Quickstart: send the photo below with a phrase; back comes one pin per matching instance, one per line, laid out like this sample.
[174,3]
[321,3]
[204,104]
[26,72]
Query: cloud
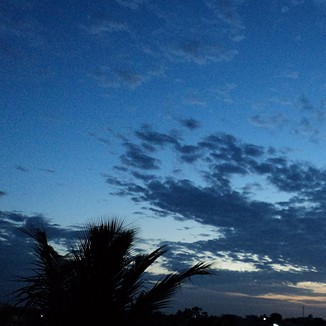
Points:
[320,3]
[164,41]
[306,104]
[216,191]
[107,27]
[227,11]
[269,122]
[155,138]
[314,287]
[297,2]
[131,78]
[291,74]
[196,39]
[316,111]
[310,123]
[115,78]
[103,23]
[104,79]
[189,153]
[22,168]
[24,28]
[136,157]
[225,92]
[190,123]
[306,123]
[143,176]
[201,53]
[193,99]
[47,170]
[305,128]
[131,4]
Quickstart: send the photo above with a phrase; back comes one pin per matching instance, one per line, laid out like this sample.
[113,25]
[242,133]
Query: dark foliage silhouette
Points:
[100,282]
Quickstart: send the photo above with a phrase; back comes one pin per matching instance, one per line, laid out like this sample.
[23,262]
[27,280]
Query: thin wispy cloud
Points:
[269,122]
[194,99]
[131,4]
[107,27]
[200,53]
[126,78]
[225,92]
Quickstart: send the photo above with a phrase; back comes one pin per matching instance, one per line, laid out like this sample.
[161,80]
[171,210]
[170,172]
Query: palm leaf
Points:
[159,296]
[44,287]
[132,280]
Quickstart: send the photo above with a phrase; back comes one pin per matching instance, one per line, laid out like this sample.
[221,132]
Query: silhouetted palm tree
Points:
[47,288]
[100,282]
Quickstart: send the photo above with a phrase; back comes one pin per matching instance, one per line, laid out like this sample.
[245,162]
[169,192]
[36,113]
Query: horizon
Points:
[201,123]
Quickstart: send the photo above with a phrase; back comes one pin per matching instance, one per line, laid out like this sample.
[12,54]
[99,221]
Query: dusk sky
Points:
[200,122]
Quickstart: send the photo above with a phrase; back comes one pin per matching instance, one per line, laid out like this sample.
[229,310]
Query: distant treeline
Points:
[11,315]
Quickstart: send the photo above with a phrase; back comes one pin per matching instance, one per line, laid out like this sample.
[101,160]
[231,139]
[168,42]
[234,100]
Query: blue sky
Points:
[201,122]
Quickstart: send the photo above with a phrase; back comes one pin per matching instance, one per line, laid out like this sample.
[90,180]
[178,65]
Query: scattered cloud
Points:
[213,194]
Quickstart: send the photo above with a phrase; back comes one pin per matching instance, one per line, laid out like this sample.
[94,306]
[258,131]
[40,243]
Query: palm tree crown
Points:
[100,282]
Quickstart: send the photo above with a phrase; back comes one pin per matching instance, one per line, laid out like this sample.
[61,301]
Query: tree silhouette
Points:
[100,282]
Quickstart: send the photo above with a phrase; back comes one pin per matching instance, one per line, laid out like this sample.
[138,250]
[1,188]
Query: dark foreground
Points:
[14,316]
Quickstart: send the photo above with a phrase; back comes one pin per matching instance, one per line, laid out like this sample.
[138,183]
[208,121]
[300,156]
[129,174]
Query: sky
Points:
[200,122]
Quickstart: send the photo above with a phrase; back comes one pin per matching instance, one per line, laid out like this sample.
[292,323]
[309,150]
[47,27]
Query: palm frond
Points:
[132,280]
[45,286]
[159,296]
